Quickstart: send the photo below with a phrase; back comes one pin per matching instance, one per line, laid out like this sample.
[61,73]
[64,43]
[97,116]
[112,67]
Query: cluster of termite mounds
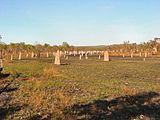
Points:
[82,54]
[105,54]
[58,55]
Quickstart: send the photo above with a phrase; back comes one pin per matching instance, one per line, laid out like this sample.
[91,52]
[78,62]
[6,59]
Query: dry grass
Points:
[62,99]
[126,90]
[50,103]
[45,103]
[51,72]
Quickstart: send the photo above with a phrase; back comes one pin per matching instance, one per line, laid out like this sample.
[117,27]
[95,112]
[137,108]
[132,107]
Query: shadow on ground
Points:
[143,105]
[5,111]
[40,117]
[2,76]
[6,108]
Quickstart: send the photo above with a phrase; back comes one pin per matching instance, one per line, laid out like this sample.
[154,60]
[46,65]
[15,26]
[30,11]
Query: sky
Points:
[79,22]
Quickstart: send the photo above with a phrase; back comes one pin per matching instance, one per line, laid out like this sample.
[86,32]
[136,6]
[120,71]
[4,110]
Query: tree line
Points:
[14,48]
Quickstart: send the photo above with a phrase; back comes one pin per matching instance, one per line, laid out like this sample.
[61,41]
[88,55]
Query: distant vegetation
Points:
[149,46]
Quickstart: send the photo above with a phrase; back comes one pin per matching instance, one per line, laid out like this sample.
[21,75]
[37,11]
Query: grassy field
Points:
[81,89]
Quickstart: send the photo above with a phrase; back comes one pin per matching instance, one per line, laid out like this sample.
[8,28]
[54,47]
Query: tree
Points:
[39,48]
[65,46]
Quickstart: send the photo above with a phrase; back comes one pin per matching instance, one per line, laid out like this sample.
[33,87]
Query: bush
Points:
[50,72]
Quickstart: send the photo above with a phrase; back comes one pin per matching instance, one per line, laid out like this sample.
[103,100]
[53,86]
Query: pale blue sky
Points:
[79,22]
